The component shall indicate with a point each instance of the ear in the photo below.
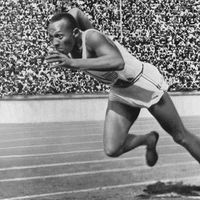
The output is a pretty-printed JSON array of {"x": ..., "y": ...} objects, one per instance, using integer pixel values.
[{"x": 76, "y": 32}]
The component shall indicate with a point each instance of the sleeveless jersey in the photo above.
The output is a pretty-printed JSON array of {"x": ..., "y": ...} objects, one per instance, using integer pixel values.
[{"x": 123, "y": 78}]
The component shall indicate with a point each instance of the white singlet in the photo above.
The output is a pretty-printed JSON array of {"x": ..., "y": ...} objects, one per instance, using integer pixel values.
[
  {"x": 139, "y": 84},
  {"x": 121, "y": 78}
]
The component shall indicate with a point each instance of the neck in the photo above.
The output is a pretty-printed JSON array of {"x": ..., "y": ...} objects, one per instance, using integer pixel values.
[{"x": 77, "y": 51}]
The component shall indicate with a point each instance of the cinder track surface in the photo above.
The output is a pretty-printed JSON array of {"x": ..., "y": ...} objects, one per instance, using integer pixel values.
[{"x": 65, "y": 161}]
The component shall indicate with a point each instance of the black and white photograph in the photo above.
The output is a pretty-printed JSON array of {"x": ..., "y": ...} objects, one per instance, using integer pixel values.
[{"x": 99, "y": 99}]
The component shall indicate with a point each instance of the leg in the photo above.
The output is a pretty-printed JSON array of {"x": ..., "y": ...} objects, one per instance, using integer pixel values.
[
  {"x": 165, "y": 113},
  {"x": 119, "y": 118}
]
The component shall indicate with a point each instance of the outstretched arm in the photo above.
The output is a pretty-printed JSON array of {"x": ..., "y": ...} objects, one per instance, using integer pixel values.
[{"x": 82, "y": 20}]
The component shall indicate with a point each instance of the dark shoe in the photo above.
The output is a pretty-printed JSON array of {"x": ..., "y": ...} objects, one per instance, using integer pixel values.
[{"x": 151, "y": 153}]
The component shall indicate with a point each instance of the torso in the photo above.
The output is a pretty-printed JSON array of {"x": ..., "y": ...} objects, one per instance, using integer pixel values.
[{"x": 132, "y": 66}]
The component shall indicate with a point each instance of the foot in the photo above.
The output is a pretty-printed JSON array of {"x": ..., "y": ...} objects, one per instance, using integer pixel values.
[{"x": 151, "y": 153}]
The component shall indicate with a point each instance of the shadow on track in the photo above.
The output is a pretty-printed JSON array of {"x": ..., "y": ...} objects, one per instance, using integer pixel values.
[{"x": 170, "y": 190}]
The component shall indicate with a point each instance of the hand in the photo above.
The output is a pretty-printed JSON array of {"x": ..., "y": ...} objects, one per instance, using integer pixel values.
[{"x": 59, "y": 59}]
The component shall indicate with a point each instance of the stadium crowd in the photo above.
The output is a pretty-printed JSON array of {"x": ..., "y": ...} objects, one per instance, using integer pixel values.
[{"x": 164, "y": 33}]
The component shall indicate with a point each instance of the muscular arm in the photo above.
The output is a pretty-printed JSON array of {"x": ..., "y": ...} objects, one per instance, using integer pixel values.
[
  {"x": 82, "y": 20},
  {"x": 106, "y": 55}
]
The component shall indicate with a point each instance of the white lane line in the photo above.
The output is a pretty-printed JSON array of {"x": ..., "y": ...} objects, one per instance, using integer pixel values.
[
  {"x": 85, "y": 125},
  {"x": 47, "y": 137},
  {"x": 174, "y": 195},
  {"x": 64, "y": 144},
  {"x": 190, "y": 197},
  {"x": 51, "y": 154},
  {"x": 54, "y": 137},
  {"x": 70, "y": 136},
  {"x": 69, "y": 163},
  {"x": 83, "y": 173},
  {"x": 71, "y": 152},
  {"x": 102, "y": 188},
  {"x": 56, "y": 125},
  {"x": 47, "y": 131},
  {"x": 50, "y": 145},
  {"x": 83, "y": 162},
  {"x": 74, "y": 125}
]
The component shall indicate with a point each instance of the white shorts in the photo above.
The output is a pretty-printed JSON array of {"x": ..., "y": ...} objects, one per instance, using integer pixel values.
[{"x": 145, "y": 92}]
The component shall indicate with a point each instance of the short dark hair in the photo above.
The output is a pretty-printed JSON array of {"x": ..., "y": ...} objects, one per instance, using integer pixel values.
[{"x": 64, "y": 15}]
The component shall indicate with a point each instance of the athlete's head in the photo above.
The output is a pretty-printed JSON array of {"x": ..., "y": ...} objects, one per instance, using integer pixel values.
[{"x": 63, "y": 31}]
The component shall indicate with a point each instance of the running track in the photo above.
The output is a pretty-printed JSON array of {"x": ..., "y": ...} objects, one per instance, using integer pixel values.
[{"x": 65, "y": 161}]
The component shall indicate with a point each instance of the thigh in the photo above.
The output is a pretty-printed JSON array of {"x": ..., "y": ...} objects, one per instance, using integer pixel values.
[
  {"x": 166, "y": 114},
  {"x": 119, "y": 118}
]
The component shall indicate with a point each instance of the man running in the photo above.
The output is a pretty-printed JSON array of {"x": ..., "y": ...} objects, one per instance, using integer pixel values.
[{"x": 133, "y": 85}]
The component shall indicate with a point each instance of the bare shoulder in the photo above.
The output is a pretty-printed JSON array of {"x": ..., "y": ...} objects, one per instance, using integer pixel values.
[
  {"x": 81, "y": 18},
  {"x": 98, "y": 42},
  {"x": 74, "y": 12},
  {"x": 95, "y": 36}
]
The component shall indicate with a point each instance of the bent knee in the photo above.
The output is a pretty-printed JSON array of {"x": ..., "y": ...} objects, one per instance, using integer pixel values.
[
  {"x": 180, "y": 138},
  {"x": 112, "y": 151}
]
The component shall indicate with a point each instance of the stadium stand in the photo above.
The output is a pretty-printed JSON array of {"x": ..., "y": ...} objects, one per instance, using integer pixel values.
[{"x": 164, "y": 33}]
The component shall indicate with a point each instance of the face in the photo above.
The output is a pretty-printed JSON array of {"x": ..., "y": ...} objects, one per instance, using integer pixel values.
[{"x": 62, "y": 37}]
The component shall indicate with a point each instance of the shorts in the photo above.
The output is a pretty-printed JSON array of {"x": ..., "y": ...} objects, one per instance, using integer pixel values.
[{"x": 145, "y": 92}]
